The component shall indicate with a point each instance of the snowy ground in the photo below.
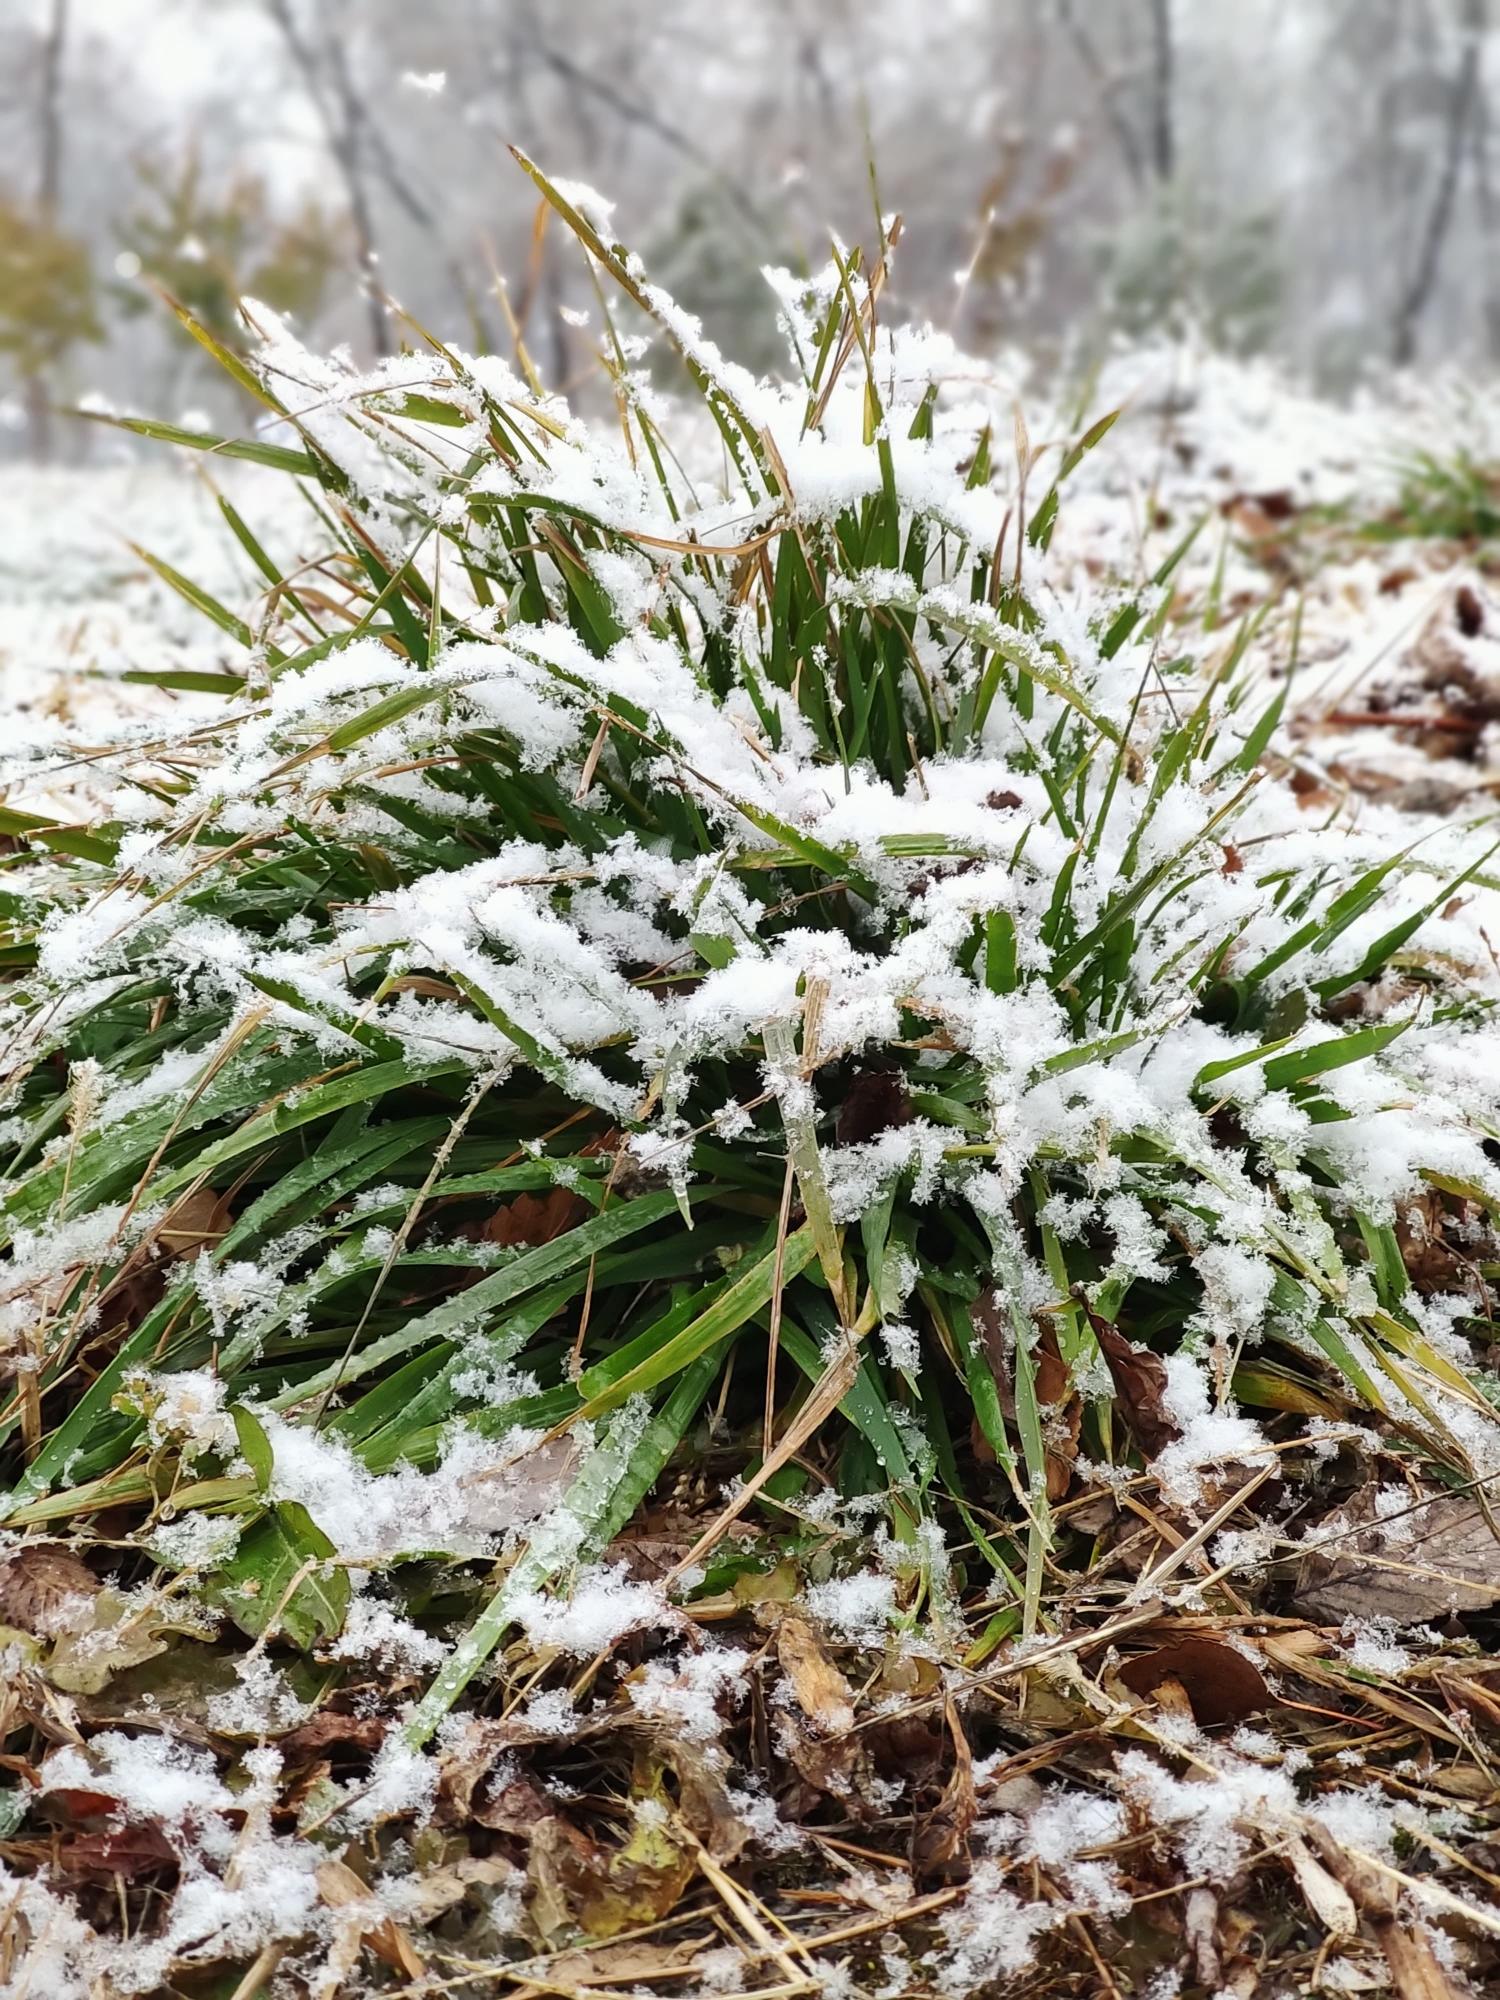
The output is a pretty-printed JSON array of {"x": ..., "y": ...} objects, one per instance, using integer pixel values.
[{"x": 81, "y": 610}]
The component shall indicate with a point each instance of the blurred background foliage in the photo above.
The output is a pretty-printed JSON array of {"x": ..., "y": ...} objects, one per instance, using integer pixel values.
[{"x": 1310, "y": 177}]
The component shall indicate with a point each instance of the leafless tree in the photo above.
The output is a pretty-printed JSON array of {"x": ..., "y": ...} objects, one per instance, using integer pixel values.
[
  {"x": 329, "y": 82},
  {"x": 1163, "y": 110},
  {"x": 1108, "y": 85},
  {"x": 1463, "y": 109},
  {"x": 48, "y": 193}
]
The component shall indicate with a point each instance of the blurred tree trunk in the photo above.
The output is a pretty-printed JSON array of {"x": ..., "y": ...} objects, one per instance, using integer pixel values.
[
  {"x": 1108, "y": 87},
  {"x": 48, "y": 197},
  {"x": 344, "y": 117},
  {"x": 1163, "y": 111},
  {"x": 1463, "y": 109},
  {"x": 1489, "y": 223}
]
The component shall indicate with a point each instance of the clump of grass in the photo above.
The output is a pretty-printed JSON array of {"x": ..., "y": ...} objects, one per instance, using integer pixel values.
[
  {"x": 1450, "y": 499},
  {"x": 688, "y": 956}
]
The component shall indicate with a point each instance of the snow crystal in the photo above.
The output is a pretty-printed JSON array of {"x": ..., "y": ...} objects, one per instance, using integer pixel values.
[
  {"x": 857, "y": 1609},
  {"x": 687, "y": 1692},
  {"x": 1210, "y": 1436},
  {"x": 150, "y": 1777},
  {"x": 402, "y": 1783},
  {"x": 377, "y": 1632},
  {"x": 600, "y": 1606}
]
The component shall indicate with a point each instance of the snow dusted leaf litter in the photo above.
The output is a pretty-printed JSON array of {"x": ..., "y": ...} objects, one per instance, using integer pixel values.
[{"x": 743, "y": 1115}]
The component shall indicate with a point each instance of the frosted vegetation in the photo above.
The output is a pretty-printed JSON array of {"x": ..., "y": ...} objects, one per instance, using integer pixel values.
[{"x": 753, "y": 950}]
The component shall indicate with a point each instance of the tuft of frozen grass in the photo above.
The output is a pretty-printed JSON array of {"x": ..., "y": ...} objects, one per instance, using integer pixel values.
[{"x": 727, "y": 947}]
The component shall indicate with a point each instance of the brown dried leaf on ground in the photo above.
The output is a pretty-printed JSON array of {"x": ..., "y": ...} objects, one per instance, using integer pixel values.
[
  {"x": 430, "y": 1891},
  {"x": 532, "y": 1219},
  {"x": 329, "y": 1730},
  {"x": 46, "y": 1589},
  {"x": 940, "y": 1836},
  {"x": 1442, "y": 1240},
  {"x": 120, "y": 1631},
  {"x": 577, "y": 1883},
  {"x": 626, "y": 1965},
  {"x": 1440, "y": 1559},
  {"x": 122, "y": 1852},
  {"x": 472, "y": 1787},
  {"x": 1221, "y": 1684},
  {"x": 195, "y": 1223},
  {"x": 1140, "y": 1379},
  {"x": 342, "y": 1890},
  {"x": 823, "y": 1694},
  {"x": 1062, "y": 1408},
  {"x": 1327, "y": 1898}
]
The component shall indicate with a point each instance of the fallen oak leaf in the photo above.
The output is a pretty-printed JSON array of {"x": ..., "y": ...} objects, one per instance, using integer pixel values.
[
  {"x": 1438, "y": 1559},
  {"x": 1220, "y": 1683},
  {"x": 1140, "y": 1379}
]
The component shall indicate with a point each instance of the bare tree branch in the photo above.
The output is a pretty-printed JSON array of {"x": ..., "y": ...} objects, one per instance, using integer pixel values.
[
  {"x": 49, "y": 182},
  {"x": 48, "y": 197},
  {"x": 345, "y": 123},
  {"x": 1163, "y": 124},
  {"x": 1462, "y": 103},
  {"x": 1108, "y": 88}
]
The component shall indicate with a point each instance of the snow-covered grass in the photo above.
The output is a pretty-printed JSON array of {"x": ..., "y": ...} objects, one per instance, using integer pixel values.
[{"x": 766, "y": 1017}]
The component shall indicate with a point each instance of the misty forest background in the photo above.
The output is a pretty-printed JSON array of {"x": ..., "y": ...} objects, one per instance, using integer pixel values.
[{"x": 1318, "y": 178}]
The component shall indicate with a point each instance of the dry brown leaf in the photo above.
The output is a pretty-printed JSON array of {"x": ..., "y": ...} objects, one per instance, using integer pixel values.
[
  {"x": 623, "y": 1965},
  {"x": 1063, "y": 1409},
  {"x": 516, "y": 1807},
  {"x": 342, "y": 1889},
  {"x": 118, "y": 1633},
  {"x": 532, "y": 1219},
  {"x": 1327, "y": 1898},
  {"x": 137, "y": 1848},
  {"x": 1441, "y": 1559},
  {"x": 577, "y": 1883},
  {"x": 1140, "y": 1379},
  {"x": 703, "y": 1801},
  {"x": 47, "y": 1590},
  {"x": 823, "y": 1694},
  {"x": 327, "y": 1730},
  {"x": 427, "y": 1892},
  {"x": 940, "y": 1838},
  {"x": 195, "y": 1223},
  {"x": 1221, "y": 1685}
]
